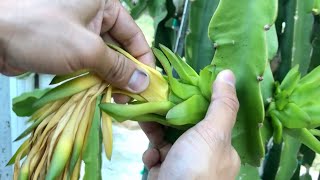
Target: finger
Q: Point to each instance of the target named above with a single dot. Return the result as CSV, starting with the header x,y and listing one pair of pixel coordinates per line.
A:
x,y
120,98
154,173
151,157
11,71
108,39
224,105
164,151
112,66
120,25
236,163
155,133
95,23
82,10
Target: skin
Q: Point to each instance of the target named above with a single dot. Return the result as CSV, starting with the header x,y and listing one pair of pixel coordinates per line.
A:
x,y
34,34
59,37
204,151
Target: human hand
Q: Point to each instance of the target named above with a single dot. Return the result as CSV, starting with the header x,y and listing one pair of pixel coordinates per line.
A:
x,y
205,150
59,37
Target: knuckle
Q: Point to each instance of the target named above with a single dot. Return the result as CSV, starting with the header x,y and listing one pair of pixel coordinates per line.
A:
x,y
93,51
229,100
129,41
117,71
90,52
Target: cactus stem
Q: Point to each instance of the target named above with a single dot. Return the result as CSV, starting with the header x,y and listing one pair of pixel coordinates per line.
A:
x,y
188,31
229,42
260,78
269,100
267,27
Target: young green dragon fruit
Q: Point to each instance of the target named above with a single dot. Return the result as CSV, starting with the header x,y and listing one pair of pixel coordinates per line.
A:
x,y
295,108
190,90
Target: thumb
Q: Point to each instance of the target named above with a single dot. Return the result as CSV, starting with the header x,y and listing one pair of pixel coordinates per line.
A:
x,y
117,69
224,105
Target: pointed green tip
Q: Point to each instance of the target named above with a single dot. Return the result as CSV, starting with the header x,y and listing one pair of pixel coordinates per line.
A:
x,y
21,136
154,49
109,156
163,47
104,107
11,161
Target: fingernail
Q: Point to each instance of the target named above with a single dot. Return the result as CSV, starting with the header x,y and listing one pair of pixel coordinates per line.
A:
x,y
139,81
226,76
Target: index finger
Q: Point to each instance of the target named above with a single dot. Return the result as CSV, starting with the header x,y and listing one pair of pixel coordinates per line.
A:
x,y
122,28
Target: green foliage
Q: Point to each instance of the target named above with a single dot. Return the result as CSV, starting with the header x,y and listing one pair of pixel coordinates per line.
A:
x,y
295,46
288,160
271,162
60,78
157,10
93,148
248,172
165,31
184,71
306,176
307,156
295,107
294,26
163,13
241,47
301,47
272,43
20,103
67,89
185,113
178,110
267,85
207,75
136,8
124,112
315,60
199,49
316,7
23,148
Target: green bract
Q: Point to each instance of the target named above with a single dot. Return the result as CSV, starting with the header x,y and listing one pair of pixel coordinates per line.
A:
x,y
295,107
186,91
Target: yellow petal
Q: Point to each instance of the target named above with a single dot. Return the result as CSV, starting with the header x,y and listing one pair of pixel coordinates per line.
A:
x,y
106,126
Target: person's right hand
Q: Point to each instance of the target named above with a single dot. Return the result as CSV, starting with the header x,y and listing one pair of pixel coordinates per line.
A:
x,y
59,37
205,150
